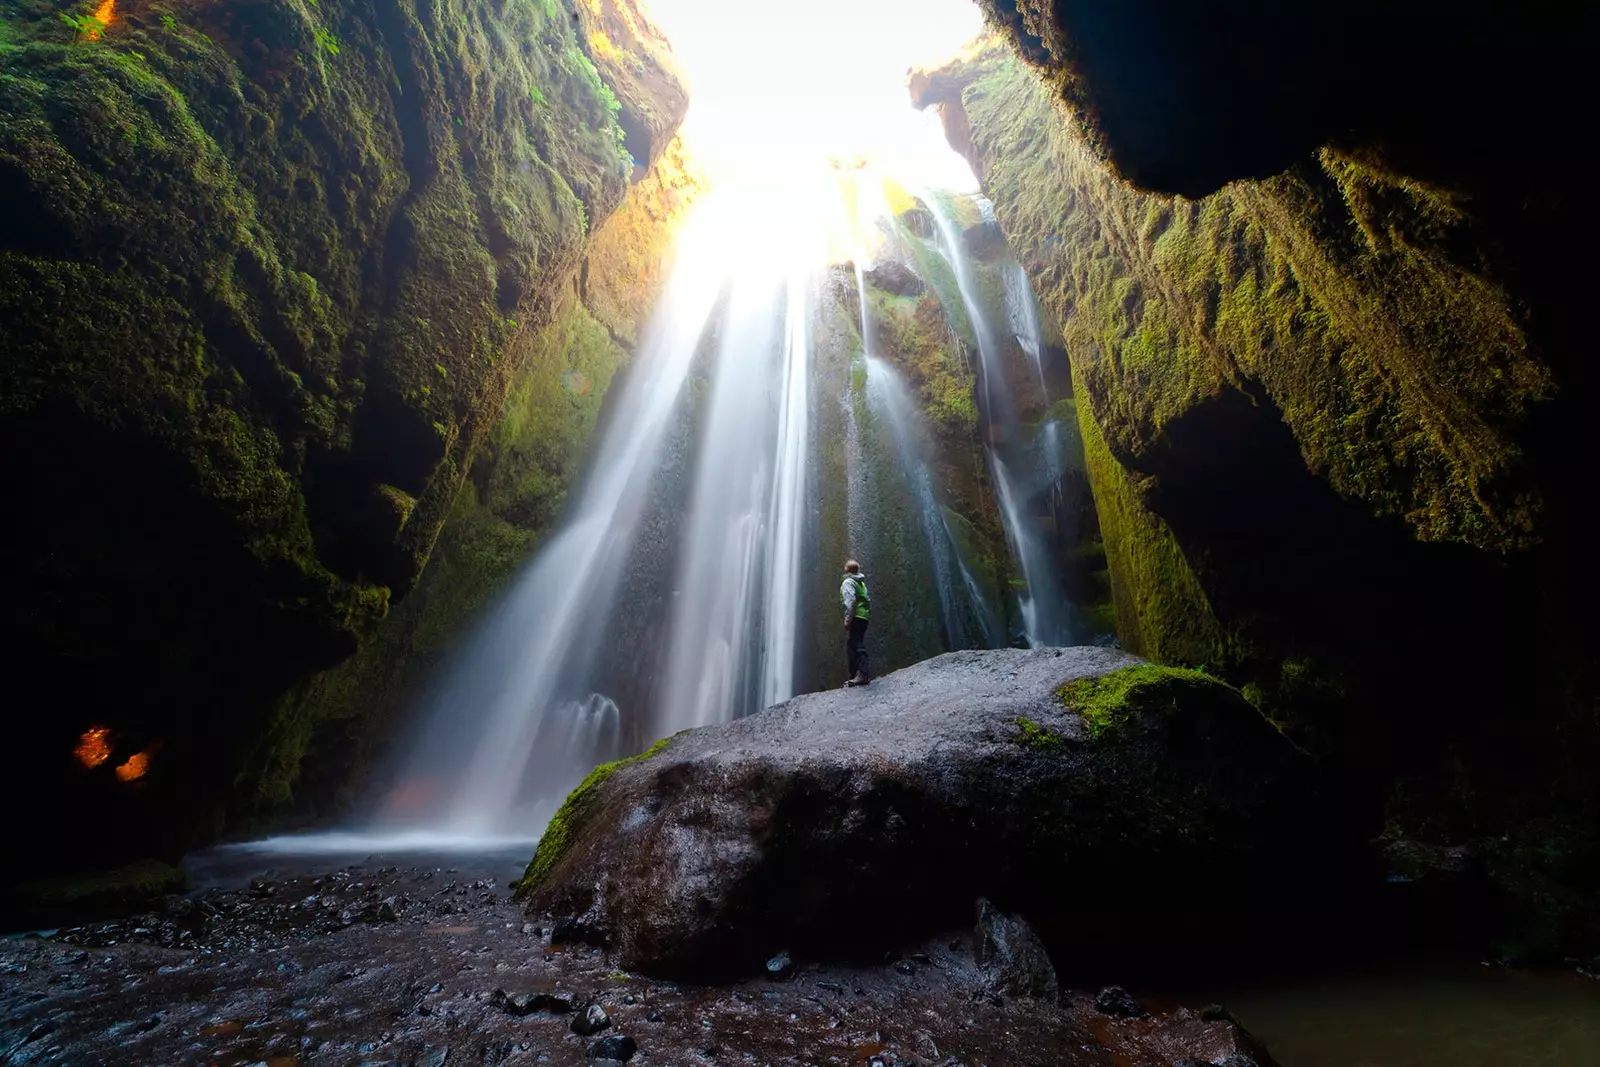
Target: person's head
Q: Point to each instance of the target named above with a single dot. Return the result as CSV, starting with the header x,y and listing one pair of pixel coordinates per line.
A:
x,y
852,567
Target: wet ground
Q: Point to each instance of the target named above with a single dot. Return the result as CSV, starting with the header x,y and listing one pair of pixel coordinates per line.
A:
x,y
425,962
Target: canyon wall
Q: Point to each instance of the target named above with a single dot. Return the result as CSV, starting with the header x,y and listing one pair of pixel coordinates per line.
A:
x,y
1332,404
269,272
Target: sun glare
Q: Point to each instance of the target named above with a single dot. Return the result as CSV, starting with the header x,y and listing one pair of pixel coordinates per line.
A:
x,y
777,87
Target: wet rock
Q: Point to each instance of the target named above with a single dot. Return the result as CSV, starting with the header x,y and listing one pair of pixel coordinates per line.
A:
x,y
434,1057
591,1020
1012,956
619,1047
780,966
895,277
905,968
1114,1000
1213,1013
575,930
902,806
530,1003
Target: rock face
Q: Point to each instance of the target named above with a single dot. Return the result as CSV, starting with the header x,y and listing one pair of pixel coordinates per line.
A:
x,y
513,494
1337,418
1184,101
267,272
851,821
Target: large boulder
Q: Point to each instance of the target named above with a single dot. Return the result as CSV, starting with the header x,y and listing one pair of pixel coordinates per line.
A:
x,y
1079,787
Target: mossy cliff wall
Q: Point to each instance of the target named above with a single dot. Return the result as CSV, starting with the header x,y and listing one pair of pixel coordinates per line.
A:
x,y
267,270
325,734
1333,416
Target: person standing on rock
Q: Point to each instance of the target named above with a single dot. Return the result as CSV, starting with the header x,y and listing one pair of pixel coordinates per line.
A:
x,y
857,610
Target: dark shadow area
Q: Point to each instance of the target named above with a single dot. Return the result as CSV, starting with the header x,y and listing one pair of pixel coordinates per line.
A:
x,y
1184,98
136,610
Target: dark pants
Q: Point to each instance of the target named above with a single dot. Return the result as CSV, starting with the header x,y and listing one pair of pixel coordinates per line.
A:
x,y
855,648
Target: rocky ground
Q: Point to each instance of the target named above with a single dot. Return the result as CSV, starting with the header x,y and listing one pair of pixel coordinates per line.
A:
x,y
431,964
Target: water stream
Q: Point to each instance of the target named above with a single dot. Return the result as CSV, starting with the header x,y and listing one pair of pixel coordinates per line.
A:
x,y
1045,612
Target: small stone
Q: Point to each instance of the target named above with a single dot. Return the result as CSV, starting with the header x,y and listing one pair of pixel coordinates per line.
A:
x,y
832,987
619,1047
905,968
436,987
528,1003
590,1020
653,1017
780,967
922,958
434,1057
1114,1000
1013,958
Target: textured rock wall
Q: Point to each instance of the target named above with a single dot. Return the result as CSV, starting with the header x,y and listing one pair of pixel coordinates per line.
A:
x,y
325,734
1333,416
267,270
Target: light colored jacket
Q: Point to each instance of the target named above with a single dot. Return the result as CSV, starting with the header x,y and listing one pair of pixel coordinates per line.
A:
x,y
847,594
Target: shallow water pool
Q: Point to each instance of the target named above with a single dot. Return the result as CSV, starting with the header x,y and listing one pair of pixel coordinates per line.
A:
x,y
1462,1017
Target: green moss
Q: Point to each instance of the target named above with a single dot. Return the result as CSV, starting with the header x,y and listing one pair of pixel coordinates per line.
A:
x,y
915,334
106,893
284,264
1108,703
497,521
1161,610
1039,738
1349,294
557,835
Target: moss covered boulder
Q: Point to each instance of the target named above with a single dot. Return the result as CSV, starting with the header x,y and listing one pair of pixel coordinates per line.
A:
x,y
1061,783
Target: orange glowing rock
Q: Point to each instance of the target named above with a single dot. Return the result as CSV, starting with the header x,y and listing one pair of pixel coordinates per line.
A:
x,y
103,15
134,768
94,747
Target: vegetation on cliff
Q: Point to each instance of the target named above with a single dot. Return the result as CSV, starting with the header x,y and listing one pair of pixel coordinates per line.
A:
x,y
1329,420
513,496
267,274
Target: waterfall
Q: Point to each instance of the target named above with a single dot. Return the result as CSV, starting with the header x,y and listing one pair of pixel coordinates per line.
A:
x,y
673,593
787,509
1023,314
732,642
524,678
1045,614
961,602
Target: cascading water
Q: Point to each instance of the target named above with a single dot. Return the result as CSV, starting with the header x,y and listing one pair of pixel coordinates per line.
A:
x,y
523,680
1045,614
969,621
679,588
1023,314
733,633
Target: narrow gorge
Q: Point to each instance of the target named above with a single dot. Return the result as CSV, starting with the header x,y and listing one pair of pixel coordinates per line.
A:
x,y
436,431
